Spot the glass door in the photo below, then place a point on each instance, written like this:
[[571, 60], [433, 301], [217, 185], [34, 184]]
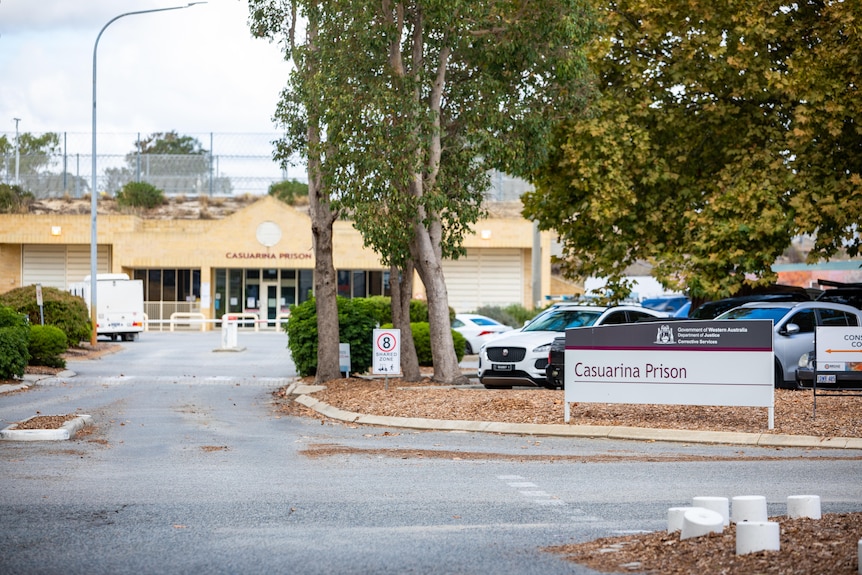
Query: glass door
[[269, 306]]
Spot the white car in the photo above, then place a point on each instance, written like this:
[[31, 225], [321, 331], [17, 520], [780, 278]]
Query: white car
[[477, 330], [520, 357]]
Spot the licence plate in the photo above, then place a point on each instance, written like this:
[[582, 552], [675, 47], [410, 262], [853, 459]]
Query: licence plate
[[825, 378], [502, 366]]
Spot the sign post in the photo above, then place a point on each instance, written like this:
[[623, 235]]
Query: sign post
[[39, 303], [344, 359], [386, 348]]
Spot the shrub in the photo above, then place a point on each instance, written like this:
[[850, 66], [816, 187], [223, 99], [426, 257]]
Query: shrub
[[140, 195], [47, 345], [289, 191], [356, 322], [513, 315], [14, 340], [14, 199], [419, 311], [382, 308], [62, 309], [422, 342]]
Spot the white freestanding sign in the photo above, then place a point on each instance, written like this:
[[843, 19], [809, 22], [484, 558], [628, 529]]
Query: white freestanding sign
[[387, 352], [838, 348], [728, 362]]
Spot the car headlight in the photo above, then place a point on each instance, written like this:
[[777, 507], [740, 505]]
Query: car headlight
[[542, 348], [805, 360]]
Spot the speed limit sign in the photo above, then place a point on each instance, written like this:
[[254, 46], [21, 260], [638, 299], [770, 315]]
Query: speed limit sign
[[387, 352]]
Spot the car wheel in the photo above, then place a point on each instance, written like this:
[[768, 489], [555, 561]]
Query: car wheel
[[779, 377], [468, 349]]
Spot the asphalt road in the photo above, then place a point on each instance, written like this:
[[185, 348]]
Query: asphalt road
[[190, 470]]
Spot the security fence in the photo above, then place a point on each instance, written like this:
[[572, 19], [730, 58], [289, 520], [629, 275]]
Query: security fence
[[227, 164]]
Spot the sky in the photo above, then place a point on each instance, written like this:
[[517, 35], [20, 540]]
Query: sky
[[195, 70]]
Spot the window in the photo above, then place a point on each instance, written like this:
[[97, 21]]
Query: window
[[805, 320], [834, 317]]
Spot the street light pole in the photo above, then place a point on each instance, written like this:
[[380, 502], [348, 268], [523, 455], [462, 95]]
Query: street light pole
[[93, 192]]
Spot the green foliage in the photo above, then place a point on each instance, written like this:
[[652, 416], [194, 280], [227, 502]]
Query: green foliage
[[291, 192], [356, 322], [35, 153], [418, 309], [140, 195], [171, 143], [718, 137], [14, 340], [382, 306], [513, 315], [357, 319], [422, 341], [63, 310], [47, 346], [301, 328], [14, 199]]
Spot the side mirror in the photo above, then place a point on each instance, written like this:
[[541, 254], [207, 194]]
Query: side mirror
[[791, 329]]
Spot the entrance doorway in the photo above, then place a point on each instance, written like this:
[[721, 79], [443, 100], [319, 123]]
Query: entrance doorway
[[270, 305]]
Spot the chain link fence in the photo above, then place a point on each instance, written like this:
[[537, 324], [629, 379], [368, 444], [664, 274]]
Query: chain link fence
[[229, 164]]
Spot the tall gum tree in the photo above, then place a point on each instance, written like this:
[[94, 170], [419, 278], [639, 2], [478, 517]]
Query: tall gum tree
[[299, 112], [720, 133], [422, 99]]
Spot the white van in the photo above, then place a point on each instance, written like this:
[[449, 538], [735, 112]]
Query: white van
[[119, 305]]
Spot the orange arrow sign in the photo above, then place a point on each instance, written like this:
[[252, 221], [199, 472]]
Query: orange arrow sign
[[844, 351]]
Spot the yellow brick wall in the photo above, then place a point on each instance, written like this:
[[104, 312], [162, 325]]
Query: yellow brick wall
[[10, 267], [231, 242]]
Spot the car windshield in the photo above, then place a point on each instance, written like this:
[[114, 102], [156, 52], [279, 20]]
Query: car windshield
[[561, 320], [773, 313]]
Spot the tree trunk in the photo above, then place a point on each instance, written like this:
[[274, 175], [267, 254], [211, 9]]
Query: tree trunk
[[401, 282], [325, 291], [430, 268], [322, 218]]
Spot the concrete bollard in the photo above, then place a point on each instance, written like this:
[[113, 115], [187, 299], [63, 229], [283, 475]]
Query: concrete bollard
[[699, 521], [674, 518], [748, 508], [803, 506], [754, 536], [718, 504]]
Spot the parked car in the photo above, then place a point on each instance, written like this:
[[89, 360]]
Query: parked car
[[683, 311], [555, 371], [712, 309], [793, 329], [838, 292], [477, 329], [667, 303], [520, 357], [847, 376]]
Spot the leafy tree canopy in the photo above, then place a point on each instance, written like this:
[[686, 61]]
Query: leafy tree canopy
[[720, 133], [289, 191], [35, 152], [171, 143]]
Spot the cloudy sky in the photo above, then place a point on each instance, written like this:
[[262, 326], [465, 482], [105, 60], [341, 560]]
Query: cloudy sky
[[192, 70]]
